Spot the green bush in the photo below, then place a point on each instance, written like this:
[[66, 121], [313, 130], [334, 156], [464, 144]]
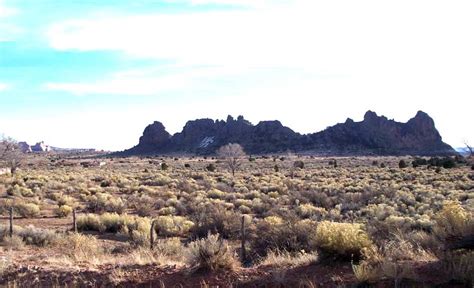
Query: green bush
[[211, 167], [402, 164]]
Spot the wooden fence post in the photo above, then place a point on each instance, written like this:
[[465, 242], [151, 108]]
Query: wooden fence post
[[74, 222], [244, 254], [11, 222], [152, 234]]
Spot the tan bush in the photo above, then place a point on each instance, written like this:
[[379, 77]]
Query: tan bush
[[211, 254], [27, 210], [15, 242], [173, 226], [38, 236], [63, 211], [80, 247], [342, 239]]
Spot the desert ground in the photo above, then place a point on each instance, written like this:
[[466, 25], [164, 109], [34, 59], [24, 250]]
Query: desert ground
[[303, 222]]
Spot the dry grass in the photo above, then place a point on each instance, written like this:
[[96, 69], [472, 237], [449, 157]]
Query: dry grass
[[211, 254], [283, 259], [404, 211], [342, 239]]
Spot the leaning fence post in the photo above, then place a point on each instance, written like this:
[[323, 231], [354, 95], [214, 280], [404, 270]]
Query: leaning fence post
[[11, 222], [152, 234], [244, 256], [74, 222]]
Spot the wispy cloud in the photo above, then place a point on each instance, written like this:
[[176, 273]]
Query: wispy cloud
[[8, 31], [331, 36], [6, 11], [3, 86], [148, 81]]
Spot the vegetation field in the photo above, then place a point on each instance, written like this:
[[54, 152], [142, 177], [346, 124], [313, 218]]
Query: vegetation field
[[280, 221]]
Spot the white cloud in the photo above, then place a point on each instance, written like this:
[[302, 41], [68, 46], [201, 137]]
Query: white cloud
[[6, 11], [3, 86], [146, 81], [8, 31], [335, 59]]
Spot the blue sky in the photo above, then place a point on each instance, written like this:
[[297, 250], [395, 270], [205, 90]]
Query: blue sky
[[94, 73]]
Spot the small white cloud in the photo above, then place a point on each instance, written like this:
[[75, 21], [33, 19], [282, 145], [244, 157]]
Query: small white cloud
[[6, 11], [4, 86], [144, 82]]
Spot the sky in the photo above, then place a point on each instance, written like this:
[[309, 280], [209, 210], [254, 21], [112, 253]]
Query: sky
[[94, 73]]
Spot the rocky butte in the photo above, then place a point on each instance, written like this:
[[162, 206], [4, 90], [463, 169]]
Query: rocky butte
[[375, 135]]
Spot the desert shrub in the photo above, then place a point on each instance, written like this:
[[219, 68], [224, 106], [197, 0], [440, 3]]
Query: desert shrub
[[80, 247], [37, 236], [143, 206], [285, 259], [90, 222], [273, 233], [308, 211], [27, 210], [211, 254], [103, 202], [298, 164], [402, 164], [63, 211], [419, 162], [136, 228], [446, 162], [15, 243], [171, 226], [17, 190], [211, 167], [168, 246], [454, 225], [215, 219], [344, 240], [164, 166]]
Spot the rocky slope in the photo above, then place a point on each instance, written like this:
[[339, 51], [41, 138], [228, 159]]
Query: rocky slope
[[375, 135]]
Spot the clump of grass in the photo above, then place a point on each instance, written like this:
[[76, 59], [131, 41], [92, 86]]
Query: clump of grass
[[15, 242], [173, 225], [27, 210], [211, 254], [286, 259], [38, 236], [453, 221], [80, 247], [63, 211], [344, 240]]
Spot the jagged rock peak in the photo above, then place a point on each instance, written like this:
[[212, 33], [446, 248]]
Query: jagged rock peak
[[375, 135], [154, 134]]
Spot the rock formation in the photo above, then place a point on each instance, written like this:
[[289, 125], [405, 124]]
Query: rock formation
[[375, 135]]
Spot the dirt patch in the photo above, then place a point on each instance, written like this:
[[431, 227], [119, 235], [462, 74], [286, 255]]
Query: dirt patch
[[171, 276]]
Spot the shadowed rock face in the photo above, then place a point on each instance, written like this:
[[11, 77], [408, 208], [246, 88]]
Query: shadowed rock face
[[375, 135]]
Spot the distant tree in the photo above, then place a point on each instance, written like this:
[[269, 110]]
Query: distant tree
[[402, 164], [11, 154], [232, 155]]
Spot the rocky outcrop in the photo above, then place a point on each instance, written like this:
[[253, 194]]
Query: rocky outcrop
[[375, 135], [38, 147]]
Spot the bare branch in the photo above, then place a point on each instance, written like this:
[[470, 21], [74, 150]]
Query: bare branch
[[10, 154], [232, 155], [469, 149]]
